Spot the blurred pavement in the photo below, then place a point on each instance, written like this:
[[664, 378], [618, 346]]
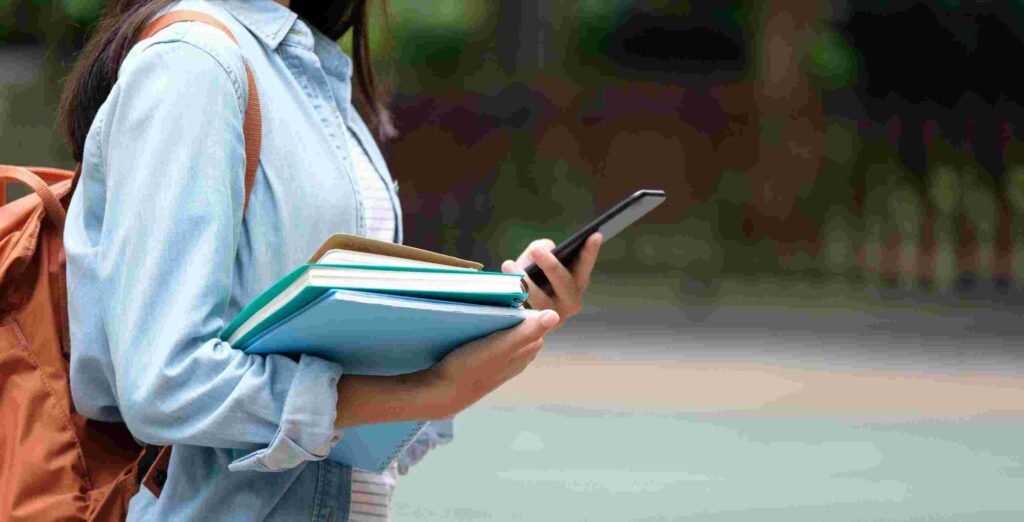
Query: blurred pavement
[[745, 412]]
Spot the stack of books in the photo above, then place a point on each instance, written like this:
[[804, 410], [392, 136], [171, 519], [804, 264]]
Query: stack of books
[[378, 308]]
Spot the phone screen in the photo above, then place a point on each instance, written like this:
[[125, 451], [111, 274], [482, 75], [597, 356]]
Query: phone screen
[[608, 224]]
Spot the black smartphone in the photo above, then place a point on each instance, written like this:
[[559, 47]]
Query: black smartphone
[[608, 224]]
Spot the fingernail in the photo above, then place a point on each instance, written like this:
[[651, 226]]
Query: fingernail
[[549, 319], [600, 238]]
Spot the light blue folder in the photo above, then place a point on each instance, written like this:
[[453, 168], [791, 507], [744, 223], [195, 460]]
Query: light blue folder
[[378, 334]]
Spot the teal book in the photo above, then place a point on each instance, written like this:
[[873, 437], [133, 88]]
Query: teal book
[[309, 282], [380, 334]]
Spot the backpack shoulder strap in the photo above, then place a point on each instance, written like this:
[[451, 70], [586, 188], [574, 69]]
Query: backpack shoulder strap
[[252, 126]]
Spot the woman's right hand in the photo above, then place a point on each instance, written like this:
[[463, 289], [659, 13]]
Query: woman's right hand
[[478, 367]]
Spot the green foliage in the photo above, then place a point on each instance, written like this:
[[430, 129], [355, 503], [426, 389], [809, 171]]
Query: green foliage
[[424, 42], [732, 14], [701, 253], [437, 13], [772, 129], [944, 189], [734, 187], [906, 211], [1013, 182], [432, 50], [595, 19], [832, 59], [5, 15], [841, 237], [841, 142], [832, 191], [83, 12], [1015, 188], [979, 204]]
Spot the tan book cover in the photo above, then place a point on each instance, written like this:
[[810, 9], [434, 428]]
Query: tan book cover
[[384, 248]]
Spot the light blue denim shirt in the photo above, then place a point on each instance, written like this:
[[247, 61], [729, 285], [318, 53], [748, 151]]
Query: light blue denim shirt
[[160, 259]]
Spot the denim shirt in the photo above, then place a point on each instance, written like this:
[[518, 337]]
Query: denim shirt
[[160, 259]]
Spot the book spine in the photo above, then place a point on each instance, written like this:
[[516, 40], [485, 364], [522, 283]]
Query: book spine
[[518, 301]]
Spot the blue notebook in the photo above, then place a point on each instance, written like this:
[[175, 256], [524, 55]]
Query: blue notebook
[[308, 282], [380, 334]]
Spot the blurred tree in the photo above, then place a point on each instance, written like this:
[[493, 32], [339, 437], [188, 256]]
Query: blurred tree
[[891, 216], [532, 36], [906, 211], [36, 41], [982, 216], [791, 119], [944, 191], [1013, 190], [830, 201]]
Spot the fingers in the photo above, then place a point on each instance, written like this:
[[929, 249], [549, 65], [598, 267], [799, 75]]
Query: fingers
[[539, 297], [545, 243], [566, 286], [584, 264], [561, 280], [548, 319], [531, 329], [525, 258]]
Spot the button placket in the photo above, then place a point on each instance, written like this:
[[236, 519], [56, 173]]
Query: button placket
[[301, 62]]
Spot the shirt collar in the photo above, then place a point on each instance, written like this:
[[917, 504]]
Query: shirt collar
[[269, 21]]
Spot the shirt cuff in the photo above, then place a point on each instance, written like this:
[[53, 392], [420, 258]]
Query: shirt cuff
[[437, 432], [307, 428]]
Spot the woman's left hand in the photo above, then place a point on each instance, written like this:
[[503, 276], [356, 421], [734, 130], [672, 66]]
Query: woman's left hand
[[568, 285]]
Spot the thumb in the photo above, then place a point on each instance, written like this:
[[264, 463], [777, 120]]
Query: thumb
[[533, 328]]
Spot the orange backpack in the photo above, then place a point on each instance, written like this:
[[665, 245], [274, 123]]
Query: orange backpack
[[54, 463]]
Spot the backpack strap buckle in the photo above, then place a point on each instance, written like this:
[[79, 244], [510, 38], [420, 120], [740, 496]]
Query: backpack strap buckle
[[153, 466]]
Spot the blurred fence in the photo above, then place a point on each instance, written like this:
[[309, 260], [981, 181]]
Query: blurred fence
[[849, 141]]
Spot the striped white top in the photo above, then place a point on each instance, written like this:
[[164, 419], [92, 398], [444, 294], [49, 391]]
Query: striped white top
[[372, 492], [377, 208]]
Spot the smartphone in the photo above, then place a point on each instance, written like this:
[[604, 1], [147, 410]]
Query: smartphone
[[608, 224]]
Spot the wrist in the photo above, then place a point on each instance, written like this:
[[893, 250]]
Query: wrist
[[432, 395], [373, 399]]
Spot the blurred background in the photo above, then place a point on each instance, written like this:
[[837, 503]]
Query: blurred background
[[821, 323]]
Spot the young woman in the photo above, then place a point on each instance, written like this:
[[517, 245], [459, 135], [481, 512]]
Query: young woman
[[161, 256]]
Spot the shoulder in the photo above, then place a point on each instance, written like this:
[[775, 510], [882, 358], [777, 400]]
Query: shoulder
[[185, 52]]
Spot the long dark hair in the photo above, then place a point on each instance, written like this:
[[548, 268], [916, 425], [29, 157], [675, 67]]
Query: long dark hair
[[95, 71]]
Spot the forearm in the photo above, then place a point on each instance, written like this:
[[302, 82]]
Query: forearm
[[461, 378], [371, 399]]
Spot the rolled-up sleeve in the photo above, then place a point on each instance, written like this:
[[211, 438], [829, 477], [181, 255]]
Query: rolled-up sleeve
[[173, 161], [302, 434], [436, 433]]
